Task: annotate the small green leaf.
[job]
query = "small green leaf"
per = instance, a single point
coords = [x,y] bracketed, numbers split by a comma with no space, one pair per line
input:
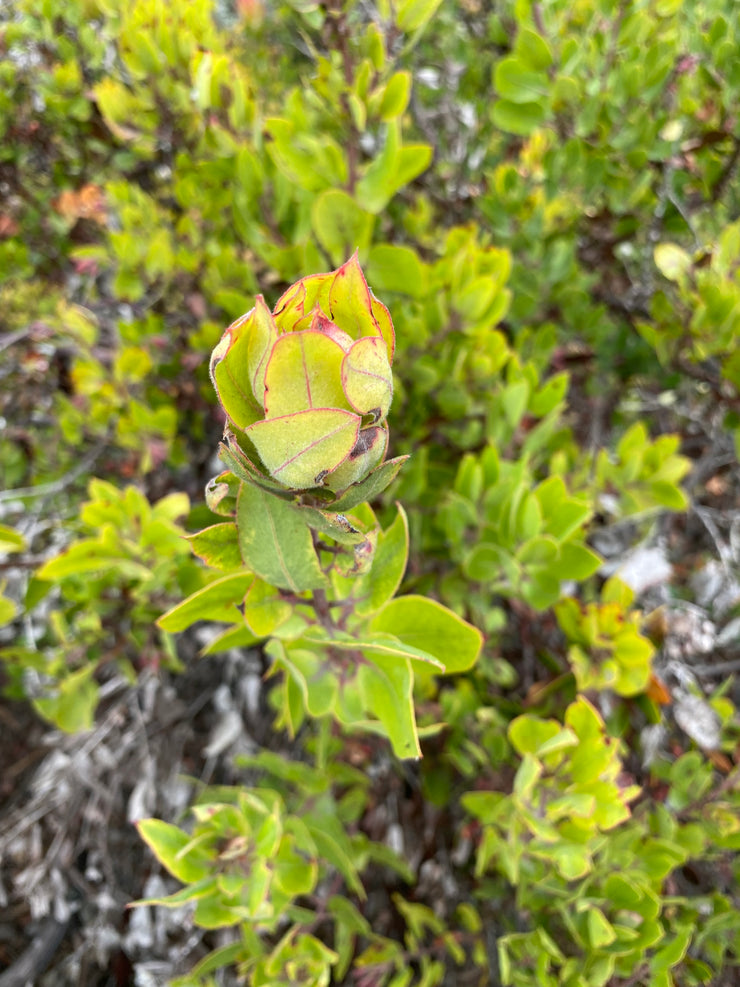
[300,449]
[347,531]
[517,83]
[396,95]
[340,224]
[8,610]
[532,51]
[600,932]
[371,446]
[374,189]
[527,733]
[375,643]
[241,352]
[11,540]
[371,486]
[386,688]
[395,268]
[517,118]
[275,541]
[303,372]
[167,843]
[351,304]
[218,546]
[412,15]
[672,262]
[514,401]
[216,601]
[232,637]
[265,609]
[73,703]
[378,586]
[367,378]
[577,561]
[431,627]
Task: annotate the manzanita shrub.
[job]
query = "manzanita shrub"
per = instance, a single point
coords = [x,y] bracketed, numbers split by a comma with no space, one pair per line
[544,195]
[305,390]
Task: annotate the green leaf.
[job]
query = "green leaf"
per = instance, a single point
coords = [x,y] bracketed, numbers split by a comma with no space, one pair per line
[223,956]
[232,637]
[391,170]
[193,892]
[275,541]
[514,401]
[532,51]
[600,932]
[538,551]
[412,15]
[243,469]
[517,83]
[431,627]
[372,190]
[167,843]
[527,733]
[367,378]
[486,562]
[351,304]
[386,687]
[340,224]
[11,540]
[377,586]
[299,449]
[372,443]
[395,95]
[396,268]
[371,486]
[672,262]
[303,372]
[221,492]
[8,610]
[265,609]
[216,601]
[572,861]
[517,118]
[93,555]
[72,706]
[413,159]
[218,546]
[577,562]
[347,531]
[373,643]
[238,364]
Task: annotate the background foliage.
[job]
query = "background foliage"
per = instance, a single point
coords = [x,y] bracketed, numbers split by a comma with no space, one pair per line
[545,195]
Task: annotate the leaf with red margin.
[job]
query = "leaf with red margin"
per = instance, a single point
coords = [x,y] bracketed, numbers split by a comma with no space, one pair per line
[371,446]
[350,302]
[229,371]
[262,339]
[367,379]
[299,449]
[304,371]
[383,318]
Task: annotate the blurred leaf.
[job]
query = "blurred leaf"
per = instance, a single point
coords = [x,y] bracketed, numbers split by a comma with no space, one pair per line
[216,601]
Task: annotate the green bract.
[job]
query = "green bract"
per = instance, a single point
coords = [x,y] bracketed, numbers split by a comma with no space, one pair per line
[306,388]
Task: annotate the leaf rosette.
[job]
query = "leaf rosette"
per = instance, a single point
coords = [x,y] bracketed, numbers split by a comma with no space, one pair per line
[306,388]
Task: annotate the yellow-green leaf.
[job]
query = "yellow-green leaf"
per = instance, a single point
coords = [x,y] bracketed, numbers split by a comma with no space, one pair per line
[367,378]
[304,371]
[300,449]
